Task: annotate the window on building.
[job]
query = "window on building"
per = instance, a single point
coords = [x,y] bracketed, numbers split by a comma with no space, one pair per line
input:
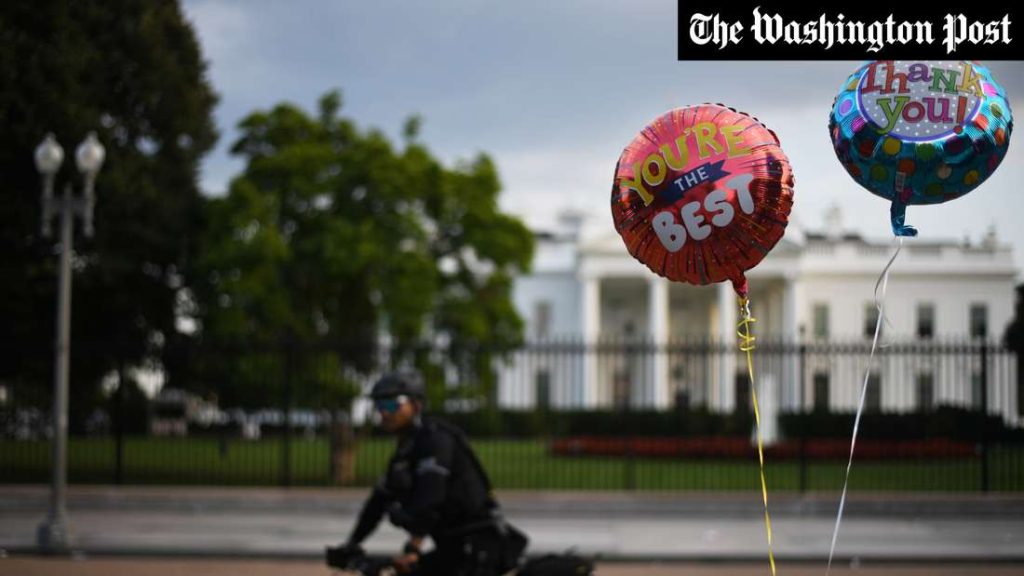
[542,319]
[622,389]
[678,371]
[543,389]
[821,324]
[1020,396]
[925,392]
[979,321]
[976,392]
[873,400]
[925,320]
[870,320]
[821,392]
[682,400]
[743,404]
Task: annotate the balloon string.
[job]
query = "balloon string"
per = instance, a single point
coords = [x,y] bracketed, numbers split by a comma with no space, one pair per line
[883,283]
[747,345]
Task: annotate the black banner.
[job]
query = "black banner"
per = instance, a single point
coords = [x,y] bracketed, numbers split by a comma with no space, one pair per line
[943,29]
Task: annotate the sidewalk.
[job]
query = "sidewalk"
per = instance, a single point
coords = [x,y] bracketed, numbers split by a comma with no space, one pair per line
[298,523]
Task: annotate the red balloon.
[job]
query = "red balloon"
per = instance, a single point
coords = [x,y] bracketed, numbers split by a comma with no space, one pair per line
[702,194]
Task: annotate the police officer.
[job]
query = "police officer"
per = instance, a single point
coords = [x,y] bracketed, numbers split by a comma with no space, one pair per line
[434,485]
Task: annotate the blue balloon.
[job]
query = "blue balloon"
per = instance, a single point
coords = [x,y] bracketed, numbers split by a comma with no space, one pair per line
[920,132]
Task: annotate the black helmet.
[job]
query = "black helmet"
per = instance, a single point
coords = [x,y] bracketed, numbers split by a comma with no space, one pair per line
[399,383]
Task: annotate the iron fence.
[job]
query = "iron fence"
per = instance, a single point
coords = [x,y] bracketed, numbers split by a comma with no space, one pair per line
[558,414]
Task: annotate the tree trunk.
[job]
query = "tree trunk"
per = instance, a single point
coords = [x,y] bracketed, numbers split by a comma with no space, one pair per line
[343,450]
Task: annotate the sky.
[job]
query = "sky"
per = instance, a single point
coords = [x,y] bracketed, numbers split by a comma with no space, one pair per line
[553,91]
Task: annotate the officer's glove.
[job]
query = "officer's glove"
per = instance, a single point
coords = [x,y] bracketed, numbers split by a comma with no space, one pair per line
[341,557]
[406,562]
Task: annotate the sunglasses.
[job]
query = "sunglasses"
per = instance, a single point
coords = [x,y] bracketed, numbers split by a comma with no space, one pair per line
[389,405]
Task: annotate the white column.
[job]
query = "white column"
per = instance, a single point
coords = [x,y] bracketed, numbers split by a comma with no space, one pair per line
[790,334]
[657,320]
[726,381]
[767,393]
[591,303]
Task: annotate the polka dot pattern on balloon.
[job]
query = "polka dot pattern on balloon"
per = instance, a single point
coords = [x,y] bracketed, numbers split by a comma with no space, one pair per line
[921,132]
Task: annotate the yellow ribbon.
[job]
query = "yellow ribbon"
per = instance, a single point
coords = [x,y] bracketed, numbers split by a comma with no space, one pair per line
[747,345]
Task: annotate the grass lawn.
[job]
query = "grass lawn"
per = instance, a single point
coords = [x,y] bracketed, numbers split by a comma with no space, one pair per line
[512,464]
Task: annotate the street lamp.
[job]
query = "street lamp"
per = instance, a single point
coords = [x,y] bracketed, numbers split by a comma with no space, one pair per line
[54,533]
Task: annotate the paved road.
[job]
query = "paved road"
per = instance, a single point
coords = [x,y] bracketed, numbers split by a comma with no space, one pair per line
[18,566]
[298,524]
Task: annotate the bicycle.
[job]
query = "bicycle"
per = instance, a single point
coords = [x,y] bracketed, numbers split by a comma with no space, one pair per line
[358,563]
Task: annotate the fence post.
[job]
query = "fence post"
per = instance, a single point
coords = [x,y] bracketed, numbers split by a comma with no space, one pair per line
[119,425]
[341,439]
[286,439]
[630,471]
[984,417]
[802,375]
[333,444]
[627,406]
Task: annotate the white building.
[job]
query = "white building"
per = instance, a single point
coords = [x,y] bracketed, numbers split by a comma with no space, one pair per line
[810,288]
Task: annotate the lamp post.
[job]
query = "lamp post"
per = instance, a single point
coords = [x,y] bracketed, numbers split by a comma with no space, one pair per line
[54,534]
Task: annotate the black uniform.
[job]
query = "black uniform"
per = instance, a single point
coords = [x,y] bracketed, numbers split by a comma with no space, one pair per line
[435,486]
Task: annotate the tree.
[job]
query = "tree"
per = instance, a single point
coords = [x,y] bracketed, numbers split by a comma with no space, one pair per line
[133,72]
[1014,339]
[332,233]
[1014,336]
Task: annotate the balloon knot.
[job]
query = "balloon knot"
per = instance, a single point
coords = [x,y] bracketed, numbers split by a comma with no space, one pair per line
[743,328]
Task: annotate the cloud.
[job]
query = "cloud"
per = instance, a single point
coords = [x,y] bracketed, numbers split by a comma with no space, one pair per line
[553,91]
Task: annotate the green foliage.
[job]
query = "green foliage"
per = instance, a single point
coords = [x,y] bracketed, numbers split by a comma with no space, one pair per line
[1014,337]
[603,423]
[133,72]
[334,234]
[950,422]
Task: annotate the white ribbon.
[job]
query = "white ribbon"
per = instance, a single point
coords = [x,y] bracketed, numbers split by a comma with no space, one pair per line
[883,282]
